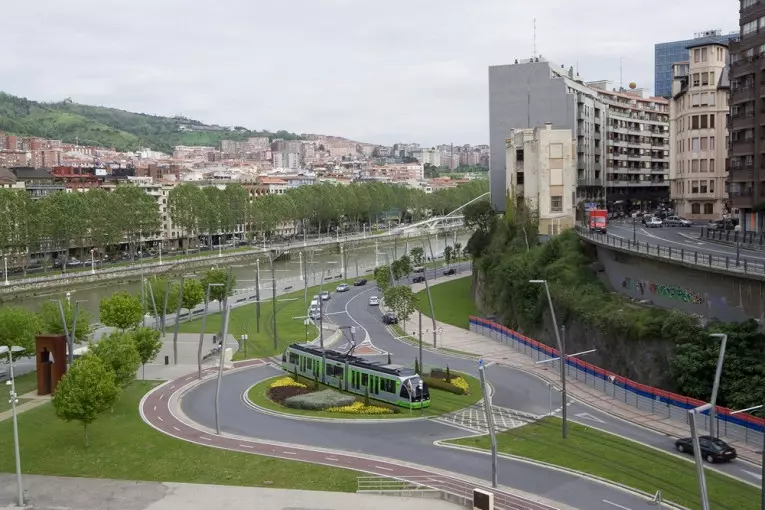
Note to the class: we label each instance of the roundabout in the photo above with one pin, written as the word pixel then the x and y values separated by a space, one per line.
pixel 393 448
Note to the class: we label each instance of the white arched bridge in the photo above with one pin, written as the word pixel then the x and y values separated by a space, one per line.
pixel 448 220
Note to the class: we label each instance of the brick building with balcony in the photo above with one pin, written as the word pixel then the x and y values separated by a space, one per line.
pixel 746 124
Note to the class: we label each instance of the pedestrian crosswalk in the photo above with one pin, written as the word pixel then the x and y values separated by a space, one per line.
pixel 473 419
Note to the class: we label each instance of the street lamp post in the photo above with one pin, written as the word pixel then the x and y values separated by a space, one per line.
pixel 204 327
pixel 226 312
pixel 13 401
pixel 489 421
pixel 697 455
pixel 5 268
pixel 92 262
pixel 178 320
pixel 714 426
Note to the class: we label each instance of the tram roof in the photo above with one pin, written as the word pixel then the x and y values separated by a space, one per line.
pixel 392 369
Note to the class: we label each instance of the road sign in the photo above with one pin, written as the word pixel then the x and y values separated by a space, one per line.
pixel 480 362
pixel 353 330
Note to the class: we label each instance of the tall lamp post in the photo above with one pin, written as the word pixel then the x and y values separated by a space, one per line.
pixel 204 326
pixel 5 268
pixel 13 401
pixel 714 426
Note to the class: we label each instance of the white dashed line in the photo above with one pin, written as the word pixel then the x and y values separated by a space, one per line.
pixel 331 458
pixel 205 438
pixel 614 504
pixel 155 408
pixel 160 418
pixel 384 468
pixel 246 446
pixel 176 428
pixel 171 387
pixel 289 453
pixel 162 396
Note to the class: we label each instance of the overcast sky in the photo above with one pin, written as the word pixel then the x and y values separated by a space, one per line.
pixel 376 71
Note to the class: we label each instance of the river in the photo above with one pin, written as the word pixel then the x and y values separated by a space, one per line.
pixel 321 260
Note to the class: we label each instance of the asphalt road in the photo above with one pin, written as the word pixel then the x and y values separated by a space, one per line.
pixel 413 441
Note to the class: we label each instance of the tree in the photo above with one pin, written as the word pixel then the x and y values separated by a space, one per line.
pixel 121 310
pixel 219 275
pixel 193 293
pixel 138 214
pixel 103 218
pixel 19 326
pixel 85 391
pixel 405 265
pixel 382 276
pixel 186 204
pixel 448 253
pixel 401 300
pixel 148 344
pixel 482 217
pixel 50 317
pixel 418 255
pixel 120 354
pixel 68 216
pixel 458 250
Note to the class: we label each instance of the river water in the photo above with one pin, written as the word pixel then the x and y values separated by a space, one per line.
pixel 314 262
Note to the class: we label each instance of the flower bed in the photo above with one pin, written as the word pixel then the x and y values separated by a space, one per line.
pixel 281 393
pixel 444 380
pixel 359 408
pixel 286 381
pixel 462 384
pixel 319 400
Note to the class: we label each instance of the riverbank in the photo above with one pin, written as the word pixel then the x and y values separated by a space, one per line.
pixel 86 279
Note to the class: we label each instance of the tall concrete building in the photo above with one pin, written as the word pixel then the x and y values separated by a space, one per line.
pixel 667 54
pixel 698 132
pixel 541 169
pixel 746 176
pixel 622 155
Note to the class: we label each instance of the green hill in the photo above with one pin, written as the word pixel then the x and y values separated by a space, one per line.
pixel 110 127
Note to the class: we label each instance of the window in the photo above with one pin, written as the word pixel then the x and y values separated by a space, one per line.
pixel 712 122
pixel 695 209
pixel 704 119
pixel 695 166
pixel 695 144
pixel 746 30
pixel 694 186
pixel 705 78
pixel 711 165
pixel 703 54
pixel 695 122
pixel 704 143
pixel 703 186
pixel 747 3
pixel 703 165
pixel 697 51
pixel 708 208
pixel 695 98
pixel 711 185
pixel 556 204
pixel 389 386
pixel 696 78
pixel 712 75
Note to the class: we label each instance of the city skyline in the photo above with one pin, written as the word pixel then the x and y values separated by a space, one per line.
pixel 418 72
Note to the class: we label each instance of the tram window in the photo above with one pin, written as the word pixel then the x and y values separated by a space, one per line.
pixel 293 358
pixel 404 392
pixel 310 364
pixel 364 380
pixel 389 385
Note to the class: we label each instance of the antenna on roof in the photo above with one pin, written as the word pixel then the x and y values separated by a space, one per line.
pixel 535 38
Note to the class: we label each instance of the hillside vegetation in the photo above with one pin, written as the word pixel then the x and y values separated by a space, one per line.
pixel 110 127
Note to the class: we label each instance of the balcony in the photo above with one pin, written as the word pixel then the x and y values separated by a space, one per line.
pixel 589 182
pixel 741 198
pixel 597 135
pixel 743 93
pixel 740 174
pixel 597 166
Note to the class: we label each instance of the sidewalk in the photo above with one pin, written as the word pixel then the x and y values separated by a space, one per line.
pixel 458 339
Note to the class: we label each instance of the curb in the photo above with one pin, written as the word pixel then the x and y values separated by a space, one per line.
pixel 556 467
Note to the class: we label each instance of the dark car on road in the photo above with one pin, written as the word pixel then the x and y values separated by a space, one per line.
pixel 677 221
pixel 390 318
pixel 418 278
pixel 712 448
pixel 360 282
pixel 449 271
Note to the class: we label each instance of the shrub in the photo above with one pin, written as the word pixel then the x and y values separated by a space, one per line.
pixel 448 377
pixel 461 383
pixel 319 400
pixel 443 385
pixel 286 381
pixel 359 408
pixel 438 373
pixel 366 396
pixel 281 393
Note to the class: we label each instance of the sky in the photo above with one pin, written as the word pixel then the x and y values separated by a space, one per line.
pixel 373 71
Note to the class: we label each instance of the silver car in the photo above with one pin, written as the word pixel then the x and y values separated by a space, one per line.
pixel 677 221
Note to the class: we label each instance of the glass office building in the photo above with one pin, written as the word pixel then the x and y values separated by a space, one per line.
pixel 669 53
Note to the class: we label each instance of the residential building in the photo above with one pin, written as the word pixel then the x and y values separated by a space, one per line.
pixel 541 169
pixel 667 54
pixel 746 184
pixel 428 156
pixel 400 173
pixel 698 133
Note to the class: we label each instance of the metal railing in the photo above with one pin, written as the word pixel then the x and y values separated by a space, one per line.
pixel 734 263
pixel 660 403
pixel 438 483
pixel 752 240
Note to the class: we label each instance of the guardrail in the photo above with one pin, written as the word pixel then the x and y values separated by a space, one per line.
pixel 752 240
pixel 735 263
pixel 740 427
pixel 461 489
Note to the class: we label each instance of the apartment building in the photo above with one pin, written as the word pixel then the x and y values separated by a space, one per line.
pixel 621 136
pixel 428 156
pixel 746 175
pixel 400 173
pixel 698 133
pixel 541 169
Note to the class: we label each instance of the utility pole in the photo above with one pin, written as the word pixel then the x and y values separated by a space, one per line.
pixel 225 318
pixel 177 322
pixel 420 335
pixel 273 297
pixel 164 306
pixel 257 297
pixel 489 422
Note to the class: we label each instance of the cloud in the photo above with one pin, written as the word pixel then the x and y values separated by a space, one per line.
pixel 375 71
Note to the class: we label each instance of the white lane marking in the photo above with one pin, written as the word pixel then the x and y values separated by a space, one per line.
pixel 176 428
pixel 614 504
pixel 162 396
pixel 289 453
pixel 171 387
pixel 206 438
pixel 384 468
pixel 366 333
pixel 160 418
pixel 246 446
pixel 331 458
pixel 756 475
pixel 155 408
pixel 618 237
pixel 588 416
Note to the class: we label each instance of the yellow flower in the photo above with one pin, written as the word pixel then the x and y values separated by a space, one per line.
pixel 461 384
pixel 359 408
pixel 286 381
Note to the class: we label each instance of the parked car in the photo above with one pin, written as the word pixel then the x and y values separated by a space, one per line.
pixel 343 287
pixel 374 301
pixel 449 271
pixel 712 449
pixel 726 224
pixel 418 269
pixel 646 218
pixel 314 313
pixel 677 221
pixel 390 318
pixel 325 295
pixel 654 222
pixel 360 282
pixel 418 278
pixel 314 303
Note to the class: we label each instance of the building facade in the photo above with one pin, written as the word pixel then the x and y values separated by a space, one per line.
pixel 746 174
pixel 541 170
pixel 668 54
pixel 698 133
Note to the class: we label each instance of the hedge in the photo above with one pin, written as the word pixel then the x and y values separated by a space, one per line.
pixel 440 384
pixel 319 400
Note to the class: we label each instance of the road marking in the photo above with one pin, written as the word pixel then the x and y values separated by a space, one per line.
pixel 171 387
pixel 162 396
pixel 756 475
pixel 614 504
pixel 205 438
pixel 160 418
pixel 246 446
pixel 331 458
pixel 155 408
pixel 588 416
pixel 289 453
pixel 384 468
pixel 176 428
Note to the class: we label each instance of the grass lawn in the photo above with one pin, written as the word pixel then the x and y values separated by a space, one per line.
pixel 24 384
pixel 610 457
pixel 122 446
pixel 260 344
pixel 441 402
pixel 452 301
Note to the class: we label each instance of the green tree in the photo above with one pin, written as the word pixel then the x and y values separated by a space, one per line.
pixel 236 199
pixel 401 300
pixel 120 354
pixel 148 344
pixel 103 218
pixel 51 320
pixel 193 293
pixel 121 310
pixel 418 255
pixel 382 276
pixel 138 214
pixel 457 251
pixel 19 326
pixel 448 254
pixel 86 390
pixel 186 205
pixel 68 216
pixel 160 289
pixel 481 216
pixel 212 212
pixel 219 275
pixel 405 265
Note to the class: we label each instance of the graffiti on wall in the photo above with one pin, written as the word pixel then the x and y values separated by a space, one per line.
pixel 664 291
